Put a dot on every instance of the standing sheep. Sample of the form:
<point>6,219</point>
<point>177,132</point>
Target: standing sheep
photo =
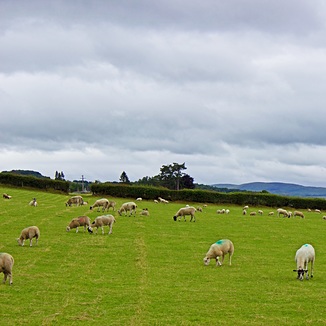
<point>79,221</point>
<point>281,211</point>
<point>6,264</point>
<point>303,256</point>
<point>101,221</point>
<point>6,196</point>
<point>77,200</point>
<point>184,212</point>
<point>29,233</point>
<point>33,202</point>
<point>104,203</point>
<point>219,249</point>
<point>128,207</point>
<point>298,213</point>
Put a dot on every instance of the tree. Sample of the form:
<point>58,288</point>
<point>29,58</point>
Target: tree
<point>59,176</point>
<point>171,175</point>
<point>124,178</point>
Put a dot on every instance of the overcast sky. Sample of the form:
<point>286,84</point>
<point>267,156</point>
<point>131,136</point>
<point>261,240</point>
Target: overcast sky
<point>235,89</point>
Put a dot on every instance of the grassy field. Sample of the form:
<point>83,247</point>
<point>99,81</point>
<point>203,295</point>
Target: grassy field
<point>150,271</point>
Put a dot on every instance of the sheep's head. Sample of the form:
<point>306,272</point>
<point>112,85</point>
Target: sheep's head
<point>301,272</point>
<point>206,261</point>
<point>68,228</point>
<point>20,242</point>
<point>175,217</point>
<point>89,229</point>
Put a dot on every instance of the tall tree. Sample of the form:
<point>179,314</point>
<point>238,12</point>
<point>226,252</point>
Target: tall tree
<point>171,175</point>
<point>124,178</point>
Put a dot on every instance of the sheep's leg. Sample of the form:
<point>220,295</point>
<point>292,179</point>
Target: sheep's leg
<point>4,278</point>
<point>218,263</point>
<point>77,229</point>
<point>222,259</point>
<point>110,230</point>
<point>36,240</point>
<point>30,242</point>
<point>312,269</point>
<point>102,229</point>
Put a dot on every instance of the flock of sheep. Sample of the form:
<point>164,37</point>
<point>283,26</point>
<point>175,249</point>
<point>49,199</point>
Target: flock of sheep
<point>217,251</point>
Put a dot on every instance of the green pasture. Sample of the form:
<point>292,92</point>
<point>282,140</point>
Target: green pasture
<point>150,271</point>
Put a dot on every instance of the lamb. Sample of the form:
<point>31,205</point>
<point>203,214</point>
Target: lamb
<point>303,256</point>
<point>79,221</point>
<point>219,249</point>
<point>33,202</point>
<point>104,203</point>
<point>144,212</point>
<point>77,200</point>
<point>6,196</point>
<point>185,211</point>
<point>281,211</point>
<point>29,233</point>
<point>102,221</point>
<point>128,207</point>
<point>298,213</point>
<point>6,264</point>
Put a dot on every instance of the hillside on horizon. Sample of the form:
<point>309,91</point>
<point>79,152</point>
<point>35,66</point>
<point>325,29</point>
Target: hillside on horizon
<point>278,188</point>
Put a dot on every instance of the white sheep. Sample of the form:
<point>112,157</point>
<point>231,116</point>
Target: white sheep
<point>219,249</point>
<point>246,207</point>
<point>139,199</point>
<point>318,211</point>
<point>79,221</point>
<point>111,204</point>
<point>77,200</point>
<point>303,256</point>
<point>260,212</point>
<point>144,212</point>
<point>244,212</point>
<point>270,213</point>
<point>184,212</point>
<point>33,202</point>
<point>104,203</point>
<point>227,211</point>
<point>6,264</point>
<point>253,213</point>
<point>155,201</point>
<point>101,221</point>
<point>162,200</point>
<point>199,209</point>
<point>128,207</point>
<point>6,196</point>
<point>281,211</point>
<point>324,217</point>
<point>298,213</point>
<point>29,233</point>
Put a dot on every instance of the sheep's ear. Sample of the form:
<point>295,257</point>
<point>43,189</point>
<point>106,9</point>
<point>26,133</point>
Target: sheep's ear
<point>295,270</point>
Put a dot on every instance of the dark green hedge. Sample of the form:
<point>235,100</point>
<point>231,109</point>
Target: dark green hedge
<point>206,196</point>
<point>18,180</point>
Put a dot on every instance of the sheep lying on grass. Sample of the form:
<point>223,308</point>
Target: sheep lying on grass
<point>303,256</point>
<point>6,264</point>
<point>128,207</point>
<point>29,233</point>
<point>104,203</point>
<point>184,212</point>
<point>77,200</point>
<point>79,221</point>
<point>144,212</point>
<point>219,249</point>
<point>101,221</point>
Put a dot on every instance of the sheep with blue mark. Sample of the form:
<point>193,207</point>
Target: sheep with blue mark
<point>304,256</point>
<point>219,249</point>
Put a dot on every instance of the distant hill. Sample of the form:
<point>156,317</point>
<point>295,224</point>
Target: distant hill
<point>27,172</point>
<point>279,188</point>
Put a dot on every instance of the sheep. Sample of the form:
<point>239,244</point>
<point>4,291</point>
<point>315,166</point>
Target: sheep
<point>128,207</point>
<point>260,212</point>
<point>139,199</point>
<point>155,201</point>
<point>29,233</point>
<point>104,203</point>
<point>6,196</point>
<point>185,211</point>
<point>244,212</point>
<point>199,209</point>
<point>219,249</point>
<point>111,204</point>
<point>33,202</point>
<point>281,211</point>
<point>79,221</point>
<point>102,221</point>
<point>253,213</point>
<point>227,211</point>
<point>6,264</point>
<point>324,217</point>
<point>270,213</point>
<point>317,211</point>
<point>204,205</point>
<point>289,214</point>
<point>246,207</point>
<point>162,200</point>
<point>144,212</point>
<point>303,256</point>
<point>77,200</point>
<point>298,213</point>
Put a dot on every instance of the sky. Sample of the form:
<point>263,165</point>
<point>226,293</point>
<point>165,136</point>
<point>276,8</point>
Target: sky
<point>234,89</point>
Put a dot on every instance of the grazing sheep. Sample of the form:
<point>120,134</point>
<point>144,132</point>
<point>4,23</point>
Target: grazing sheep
<point>253,213</point>
<point>128,207</point>
<point>303,256</point>
<point>227,211</point>
<point>33,202</point>
<point>270,213</point>
<point>281,211</point>
<point>162,200</point>
<point>324,217</point>
<point>185,211</point>
<point>77,200</point>
<point>79,221</point>
<point>101,221</point>
<point>246,207</point>
<point>260,212</point>
<point>139,199</point>
<point>104,203</point>
<point>29,233</point>
<point>155,201</point>
<point>298,213</point>
<point>111,204</point>
<point>244,212</point>
<point>6,264</point>
<point>144,212</point>
<point>199,209</point>
<point>219,249</point>
<point>6,196</point>
<point>317,211</point>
